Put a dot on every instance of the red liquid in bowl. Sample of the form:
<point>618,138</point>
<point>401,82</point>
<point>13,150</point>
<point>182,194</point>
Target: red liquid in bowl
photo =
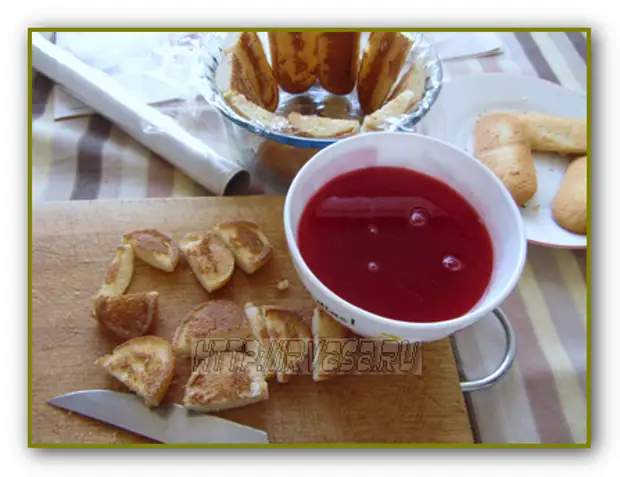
<point>397,243</point>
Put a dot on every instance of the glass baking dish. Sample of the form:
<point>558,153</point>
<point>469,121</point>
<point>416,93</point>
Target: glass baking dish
<point>283,154</point>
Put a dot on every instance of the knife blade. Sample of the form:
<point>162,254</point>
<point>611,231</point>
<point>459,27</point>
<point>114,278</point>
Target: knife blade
<point>170,424</point>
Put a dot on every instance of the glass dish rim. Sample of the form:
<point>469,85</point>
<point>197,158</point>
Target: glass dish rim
<point>406,123</point>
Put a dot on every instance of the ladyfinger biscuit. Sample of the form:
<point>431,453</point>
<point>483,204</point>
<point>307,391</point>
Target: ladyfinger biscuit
<point>413,80</point>
<point>338,60</point>
<point>569,206</point>
<point>242,84</point>
<point>555,134</point>
<point>294,60</point>
<point>251,74</point>
<point>501,144</point>
<point>382,61</point>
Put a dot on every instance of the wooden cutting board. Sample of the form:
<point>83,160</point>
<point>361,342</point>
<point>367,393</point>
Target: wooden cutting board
<point>73,243</point>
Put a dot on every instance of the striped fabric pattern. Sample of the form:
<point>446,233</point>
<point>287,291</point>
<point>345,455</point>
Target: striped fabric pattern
<point>543,397</point>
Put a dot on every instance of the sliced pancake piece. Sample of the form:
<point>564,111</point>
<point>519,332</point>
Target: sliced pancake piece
<point>290,336</point>
<point>324,330</point>
<point>224,381</point>
<point>213,326</point>
<point>127,316</point>
<point>258,324</point>
<point>155,248</point>
<point>145,365</point>
<point>211,261</point>
<point>247,242</point>
<point>119,272</point>
<point>380,119</point>
<point>319,127</point>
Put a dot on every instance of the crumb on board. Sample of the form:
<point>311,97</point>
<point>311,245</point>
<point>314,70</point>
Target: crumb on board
<point>283,285</point>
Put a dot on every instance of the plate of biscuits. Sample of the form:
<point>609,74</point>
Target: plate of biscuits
<point>310,89</point>
<point>533,135</point>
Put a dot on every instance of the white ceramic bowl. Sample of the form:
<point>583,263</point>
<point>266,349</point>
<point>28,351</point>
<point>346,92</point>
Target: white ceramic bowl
<point>465,174</point>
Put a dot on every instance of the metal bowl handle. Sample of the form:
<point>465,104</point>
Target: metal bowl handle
<point>505,364</point>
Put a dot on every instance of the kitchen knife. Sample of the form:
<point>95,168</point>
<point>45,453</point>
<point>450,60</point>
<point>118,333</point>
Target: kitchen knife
<point>170,424</point>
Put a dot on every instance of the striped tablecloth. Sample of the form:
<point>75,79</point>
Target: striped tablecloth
<point>543,397</point>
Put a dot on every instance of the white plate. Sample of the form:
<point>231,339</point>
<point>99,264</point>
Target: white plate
<point>462,100</point>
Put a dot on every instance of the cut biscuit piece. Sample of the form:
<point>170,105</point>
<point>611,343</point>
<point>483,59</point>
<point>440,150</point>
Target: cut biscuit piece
<point>252,112</point>
<point>127,316</point>
<point>258,324</point>
<point>224,381</point>
<point>145,365</point>
<point>119,272</point>
<point>211,327</point>
<point>155,248</point>
<point>211,261</point>
<point>290,339</point>
<point>251,73</point>
<point>383,58</point>
<point>413,80</point>
<point>247,242</point>
<point>380,119</point>
<point>321,128</point>
<point>324,330</point>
